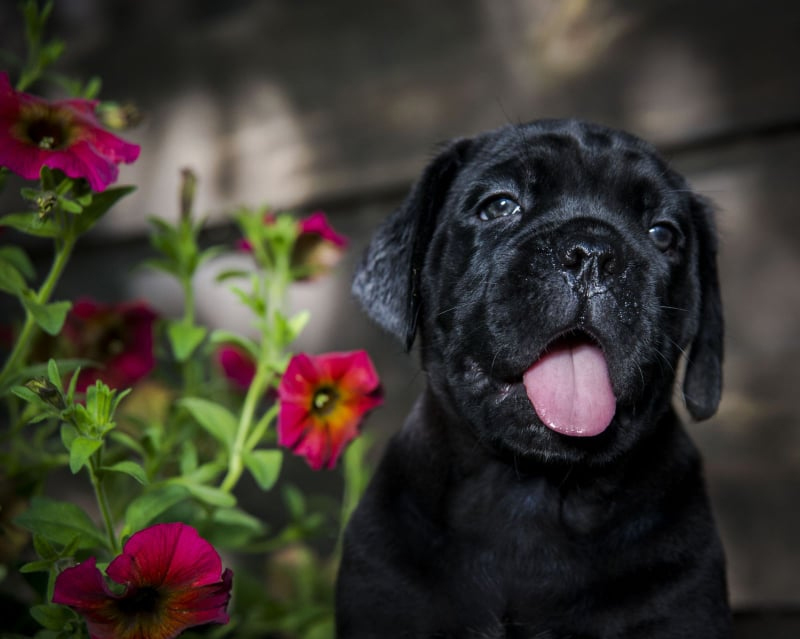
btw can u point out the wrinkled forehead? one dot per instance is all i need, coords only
(566, 156)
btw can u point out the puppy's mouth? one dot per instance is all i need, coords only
(570, 387)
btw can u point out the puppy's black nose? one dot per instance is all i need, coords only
(590, 261)
(589, 251)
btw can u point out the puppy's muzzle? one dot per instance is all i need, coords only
(590, 260)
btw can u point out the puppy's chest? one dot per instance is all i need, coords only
(534, 538)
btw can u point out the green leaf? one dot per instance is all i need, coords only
(294, 500)
(26, 394)
(232, 528)
(31, 223)
(70, 206)
(51, 52)
(166, 266)
(49, 317)
(204, 474)
(19, 259)
(44, 548)
(147, 507)
(132, 469)
(188, 457)
(52, 616)
(209, 254)
(324, 629)
(128, 442)
(53, 374)
(43, 565)
(92, 88)
(232, 273)
(101, 203)
(68, 435)
(61, 522)
(265, 466)
(11, 280)
(210, 495)
(80, 451)
(289, 328)
(215, 419)
(235, 517)
(221, 336)
(184, 339)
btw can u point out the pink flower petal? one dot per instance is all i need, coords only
(348, 387)
(82, 586)
(173, 580)
(172, 555)
(298, 380)
(86, 150)
(293, 421)
(237, 366)
(118, 337)
(317, 223)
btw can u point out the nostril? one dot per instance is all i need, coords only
(573, 256)
(609, 264)
(593, 253)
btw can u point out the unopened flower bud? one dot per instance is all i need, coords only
(46, 391)
(188, 187)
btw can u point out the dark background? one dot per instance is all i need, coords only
(337, 105)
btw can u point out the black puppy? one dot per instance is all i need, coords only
(543, 486)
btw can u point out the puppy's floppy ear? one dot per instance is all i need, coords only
(702, 384)
(386, 281)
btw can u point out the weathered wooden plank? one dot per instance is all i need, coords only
(752, 445)
(303, 103)
(295, 103)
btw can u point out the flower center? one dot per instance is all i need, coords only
(46, 128)
(142, 601)
(324, 400)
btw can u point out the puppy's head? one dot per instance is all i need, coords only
(555, 273)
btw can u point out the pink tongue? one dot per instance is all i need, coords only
(570, 390)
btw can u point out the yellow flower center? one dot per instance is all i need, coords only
(324, 401)
(45, 127)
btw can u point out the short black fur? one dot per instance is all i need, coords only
(482, 522)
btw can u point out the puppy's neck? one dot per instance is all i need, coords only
(442, 438)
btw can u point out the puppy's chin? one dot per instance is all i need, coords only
(523, 434)
(502, 415)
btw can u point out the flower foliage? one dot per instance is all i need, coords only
(63, 134)
(322, 402)
(317, 249)
(172, 447)
(171, 580)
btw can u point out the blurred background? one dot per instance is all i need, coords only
(338, 105)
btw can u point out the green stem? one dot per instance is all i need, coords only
(19, 355)
(191, 372)
(102, 502)
(254, 394)
(353, 487)
(273, 286)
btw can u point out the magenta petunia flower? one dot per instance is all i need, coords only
(323, 400)
(318, 247)
(63, 134)
(167, 578)
(237, 365)
(118, 337)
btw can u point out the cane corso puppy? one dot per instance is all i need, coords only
(556, 274)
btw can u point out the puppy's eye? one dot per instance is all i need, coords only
(499, 207)
(663, 236)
